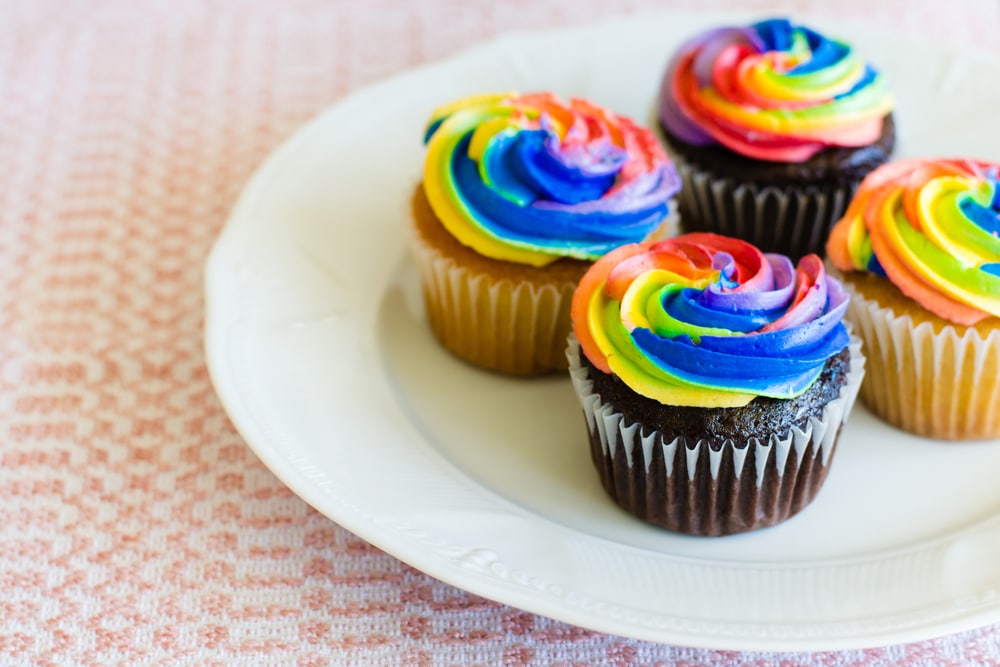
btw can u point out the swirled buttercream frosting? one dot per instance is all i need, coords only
(530, 179)
(931, 227)
(709, 321)
(772, 91)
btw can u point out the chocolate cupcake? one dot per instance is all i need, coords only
(920, 255)
(773, 126)
(520, 193)
(714, 380)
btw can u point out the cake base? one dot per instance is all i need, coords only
(715, 471)
(497, 315)
(926, 375)
(788, 208)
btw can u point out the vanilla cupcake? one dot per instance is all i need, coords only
(520, 194)
(919, 251)
(714, 380)
(772, 126)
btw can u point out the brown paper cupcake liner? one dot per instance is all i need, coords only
(503, 325)
(711, 487)
(791, 220)
(943, 384)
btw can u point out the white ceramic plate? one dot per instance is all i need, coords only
(319, 350)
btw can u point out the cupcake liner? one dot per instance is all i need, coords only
(513, 327)
(711, 487)
(788, 219)
(942, 384)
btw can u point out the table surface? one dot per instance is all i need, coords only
(135, 524)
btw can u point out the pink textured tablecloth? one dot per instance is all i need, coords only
(136, 527)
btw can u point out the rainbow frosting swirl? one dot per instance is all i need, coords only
(710, 321)
(931, 227)
(530, 179)
(772, 91)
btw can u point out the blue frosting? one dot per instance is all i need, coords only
(593, 232)
(744, 368)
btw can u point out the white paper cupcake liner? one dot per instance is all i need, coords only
(711, 488)
(503, 325)
(943, 384)
(791, 220)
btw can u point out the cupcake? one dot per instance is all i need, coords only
(919, 251)
(772, 127)
(520, 194)
(714, 380)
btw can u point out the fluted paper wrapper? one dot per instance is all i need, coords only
(503, 325)
(711, 487)
(788, 219)
(513, 326)
(943, 385)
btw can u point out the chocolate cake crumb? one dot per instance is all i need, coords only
(760, 418)
(831, 167)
